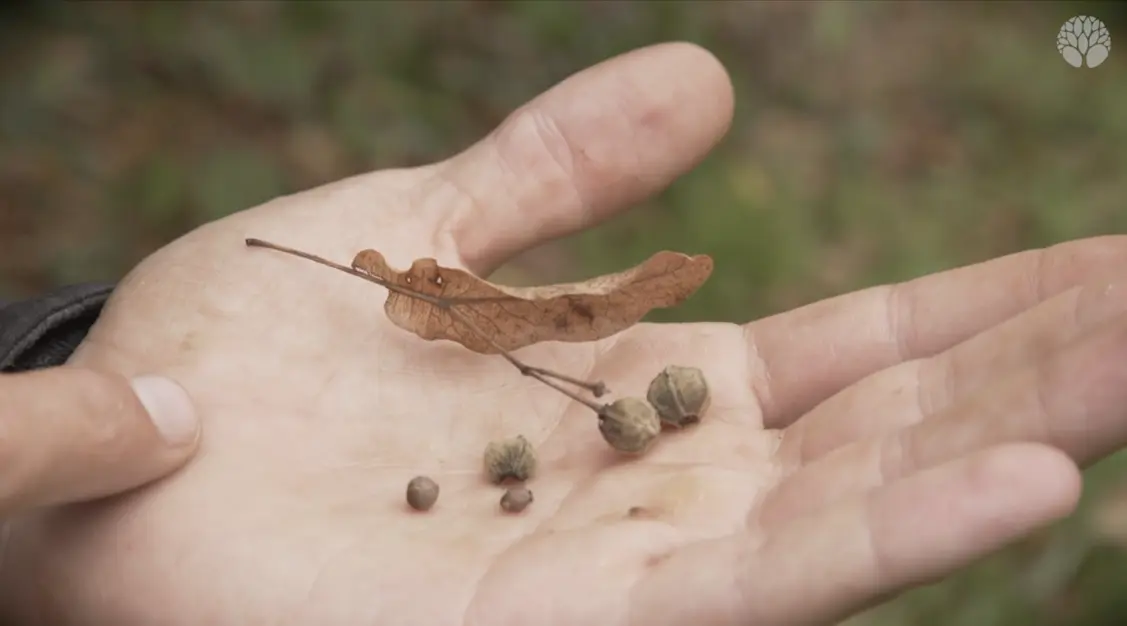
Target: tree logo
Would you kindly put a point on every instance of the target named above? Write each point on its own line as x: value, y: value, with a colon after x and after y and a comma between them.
x: 1084, y: 39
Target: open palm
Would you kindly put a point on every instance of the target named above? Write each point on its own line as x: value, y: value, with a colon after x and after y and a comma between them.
x: 854, y: 447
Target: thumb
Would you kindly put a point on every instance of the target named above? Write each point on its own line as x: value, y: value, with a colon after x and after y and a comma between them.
x: 70, y: 433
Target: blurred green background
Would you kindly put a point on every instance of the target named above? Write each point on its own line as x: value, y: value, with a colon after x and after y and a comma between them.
x: 873, y: 142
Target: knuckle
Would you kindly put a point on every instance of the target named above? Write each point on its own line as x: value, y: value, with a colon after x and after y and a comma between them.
x: 533, y: 147
x: 534, y: 140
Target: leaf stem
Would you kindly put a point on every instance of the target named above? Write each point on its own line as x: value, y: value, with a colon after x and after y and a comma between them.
x: 597, y: 388
x: 390, y: 286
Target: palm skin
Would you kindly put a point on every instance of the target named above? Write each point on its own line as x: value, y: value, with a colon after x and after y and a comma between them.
x: 854, y: 447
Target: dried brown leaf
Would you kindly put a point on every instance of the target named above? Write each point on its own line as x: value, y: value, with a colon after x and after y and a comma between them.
x: 515, y: 317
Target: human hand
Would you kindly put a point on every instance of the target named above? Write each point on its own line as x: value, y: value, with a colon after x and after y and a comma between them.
x: 71, y: 434
x: 854, y: 447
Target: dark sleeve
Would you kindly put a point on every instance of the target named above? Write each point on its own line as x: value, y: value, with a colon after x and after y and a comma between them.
x: 44, y: 331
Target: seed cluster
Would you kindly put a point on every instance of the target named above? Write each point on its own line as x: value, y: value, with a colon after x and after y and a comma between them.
x: 511, y: 460
x: 677, y: 397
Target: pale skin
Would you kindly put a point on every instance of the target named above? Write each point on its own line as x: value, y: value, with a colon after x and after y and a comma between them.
x: 854, y: 447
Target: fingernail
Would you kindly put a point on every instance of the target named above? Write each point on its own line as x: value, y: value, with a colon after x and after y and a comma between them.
x: 169, y: 407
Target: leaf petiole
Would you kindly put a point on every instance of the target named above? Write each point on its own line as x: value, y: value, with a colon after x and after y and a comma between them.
x: 596, y: 388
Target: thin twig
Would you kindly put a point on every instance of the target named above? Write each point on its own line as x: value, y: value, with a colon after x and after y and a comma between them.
x: 597, y: 388
x: 429, y: 299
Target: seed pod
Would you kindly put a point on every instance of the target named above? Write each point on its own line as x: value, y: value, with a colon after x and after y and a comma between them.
x: 422, y: 492
x: 512, y: 459
x: 629, y: 425
x: 680, y: 395
x: 516, y: 499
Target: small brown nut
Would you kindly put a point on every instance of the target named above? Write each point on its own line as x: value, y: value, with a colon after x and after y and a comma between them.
x: 629, y: 425
x: 512, y: 459
x: 516, y: 499
x: 680, y: 395
x: 422, y: 492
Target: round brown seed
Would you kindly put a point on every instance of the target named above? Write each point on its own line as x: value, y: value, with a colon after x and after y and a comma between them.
x: 516, y: 499
x: 629, y: 425
x: 680, y: 395
x: 422, y: 492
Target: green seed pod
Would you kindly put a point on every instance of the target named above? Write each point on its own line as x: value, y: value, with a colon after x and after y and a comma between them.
x: 629, y: 425
x: 680, y: 395
x: 422, y: 492
x: 512, y: 459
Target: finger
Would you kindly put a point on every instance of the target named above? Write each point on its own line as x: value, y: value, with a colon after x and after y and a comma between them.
x: 804, y: 356
x: 591, y: 146
x: 825, y: 566
x: 1075, y: 401
x: 70, y: 434
x: 910, y: 392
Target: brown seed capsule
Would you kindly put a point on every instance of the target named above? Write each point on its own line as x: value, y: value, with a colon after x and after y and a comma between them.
x: 680, y: 395
x: 516, y: 499
x: 422, y: 492
x: 629, y: 425
x: 512, y: 459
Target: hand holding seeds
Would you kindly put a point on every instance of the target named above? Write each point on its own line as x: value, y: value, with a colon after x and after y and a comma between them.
x: 319, y: 411
x: 442, y: 303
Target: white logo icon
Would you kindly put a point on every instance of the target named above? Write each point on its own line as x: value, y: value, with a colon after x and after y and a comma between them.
x: 1084, y: 38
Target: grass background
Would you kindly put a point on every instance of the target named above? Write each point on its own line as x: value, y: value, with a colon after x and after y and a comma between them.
x: 873, y: 142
